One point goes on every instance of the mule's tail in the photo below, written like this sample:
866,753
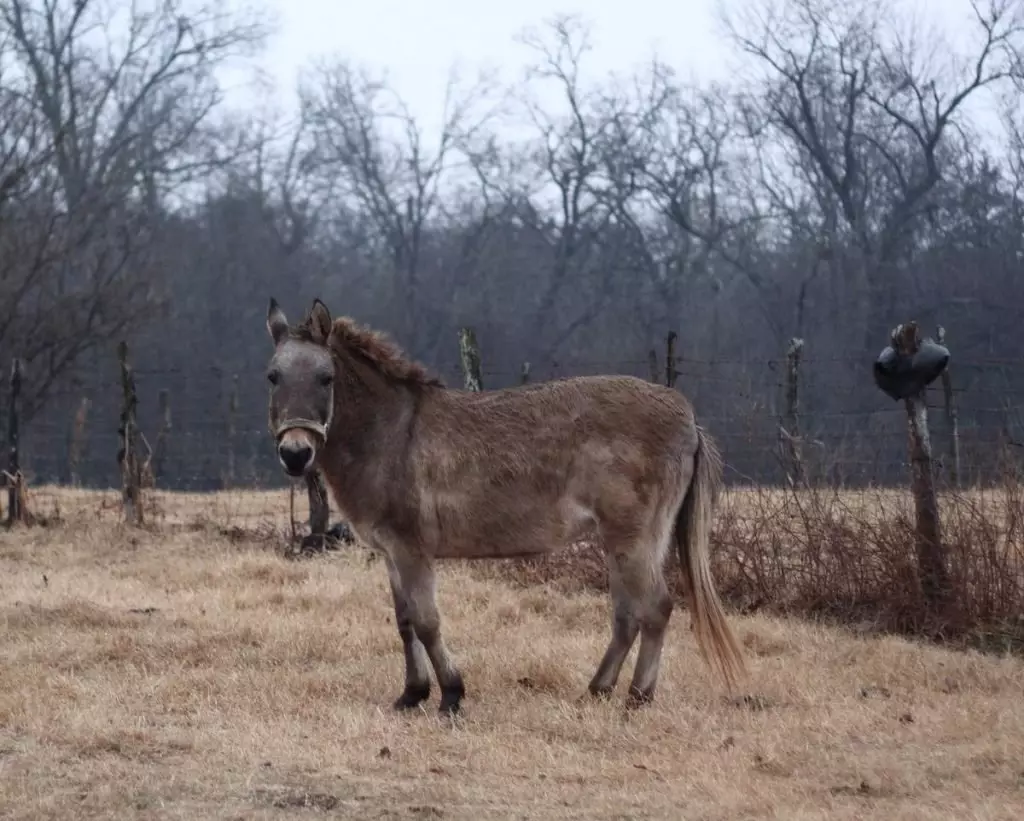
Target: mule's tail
717,642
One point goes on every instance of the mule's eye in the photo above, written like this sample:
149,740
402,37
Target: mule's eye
325,379
273,377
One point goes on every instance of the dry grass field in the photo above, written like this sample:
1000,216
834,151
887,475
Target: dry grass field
187,670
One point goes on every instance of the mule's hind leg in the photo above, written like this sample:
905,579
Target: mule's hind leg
624,631
418,585
642,605
655,612
417,664
643,571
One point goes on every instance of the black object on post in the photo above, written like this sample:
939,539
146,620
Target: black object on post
903,372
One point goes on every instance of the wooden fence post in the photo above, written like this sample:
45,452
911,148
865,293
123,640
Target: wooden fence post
163,432
316,541
524,374
952,415
229,478
77,443
670,360
469,354
128,455
319,509
932,571
15,509
789,428
652,363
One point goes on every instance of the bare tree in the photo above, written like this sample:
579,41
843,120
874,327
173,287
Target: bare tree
866,117
567,209
385,164
687,162
118,121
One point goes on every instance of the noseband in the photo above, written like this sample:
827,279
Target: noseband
318,428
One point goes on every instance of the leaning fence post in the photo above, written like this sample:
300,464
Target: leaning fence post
319,514
14,488
469,354
952,416
903,371
670,360
229,479
163,432
319,509
789,429
128,455
78,439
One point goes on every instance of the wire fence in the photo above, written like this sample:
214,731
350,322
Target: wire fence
206,427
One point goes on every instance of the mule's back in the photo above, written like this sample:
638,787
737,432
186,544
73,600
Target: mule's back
525,470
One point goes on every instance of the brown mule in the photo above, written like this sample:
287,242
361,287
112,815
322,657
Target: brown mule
423,472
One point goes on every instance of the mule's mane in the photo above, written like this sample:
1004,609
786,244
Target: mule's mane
383,354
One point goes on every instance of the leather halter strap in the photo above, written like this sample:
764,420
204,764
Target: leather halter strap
306,424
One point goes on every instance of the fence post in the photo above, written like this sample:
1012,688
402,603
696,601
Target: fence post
652,363
952,415
15,509
469,354
524,374
229,479
670,360
128,455
319,516
790,437
78,439
163,432
906,372
319,509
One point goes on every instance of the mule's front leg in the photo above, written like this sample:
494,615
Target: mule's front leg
418,585
417,665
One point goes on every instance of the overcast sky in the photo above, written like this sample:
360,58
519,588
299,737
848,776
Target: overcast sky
418,41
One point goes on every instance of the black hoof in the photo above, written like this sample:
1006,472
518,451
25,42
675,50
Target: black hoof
451,698
598,693
412,696
449,710
638,698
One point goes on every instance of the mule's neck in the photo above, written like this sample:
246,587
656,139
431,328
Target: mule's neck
370,427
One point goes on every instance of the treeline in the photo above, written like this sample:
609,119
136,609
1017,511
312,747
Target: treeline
846,180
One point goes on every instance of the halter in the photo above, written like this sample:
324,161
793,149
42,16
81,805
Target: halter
306,424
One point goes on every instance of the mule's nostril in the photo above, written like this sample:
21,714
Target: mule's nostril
295,456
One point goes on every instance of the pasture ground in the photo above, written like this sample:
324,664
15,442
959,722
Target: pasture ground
188,671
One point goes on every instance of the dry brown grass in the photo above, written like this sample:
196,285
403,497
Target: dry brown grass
189,671
847,556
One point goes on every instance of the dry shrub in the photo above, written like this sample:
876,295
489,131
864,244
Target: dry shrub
850,555
847,556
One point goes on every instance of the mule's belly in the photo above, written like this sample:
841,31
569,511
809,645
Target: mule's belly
504,529
490,550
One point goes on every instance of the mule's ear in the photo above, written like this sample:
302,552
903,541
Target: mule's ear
277,322
320,321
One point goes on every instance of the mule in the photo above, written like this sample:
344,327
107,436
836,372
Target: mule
422,472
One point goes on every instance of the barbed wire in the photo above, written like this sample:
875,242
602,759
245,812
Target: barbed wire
742,401
610,365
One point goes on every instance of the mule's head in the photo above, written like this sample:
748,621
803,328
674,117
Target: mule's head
301,376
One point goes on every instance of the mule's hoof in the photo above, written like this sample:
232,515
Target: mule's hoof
597,693
412,696
451,698
449,710
638,698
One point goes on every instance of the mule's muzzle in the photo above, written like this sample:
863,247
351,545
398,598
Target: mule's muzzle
296,456
297,443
